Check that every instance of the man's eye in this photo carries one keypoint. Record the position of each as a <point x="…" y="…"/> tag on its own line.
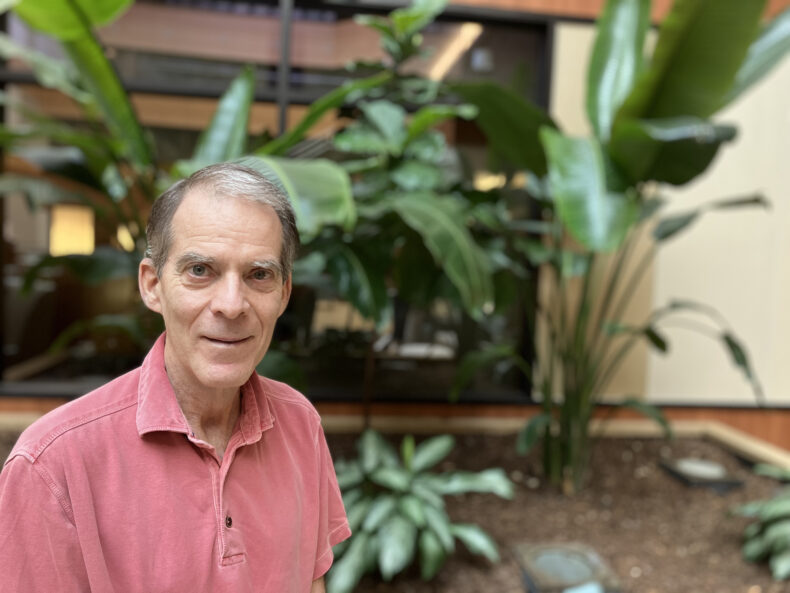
<point x="198" y="270"/>
<point x="261" y="274"/>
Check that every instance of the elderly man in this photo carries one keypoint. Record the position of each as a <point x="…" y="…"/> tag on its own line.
<point x="192" y="472"/>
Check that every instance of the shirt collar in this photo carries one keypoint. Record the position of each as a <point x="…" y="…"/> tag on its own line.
<point x="158" y="409"/>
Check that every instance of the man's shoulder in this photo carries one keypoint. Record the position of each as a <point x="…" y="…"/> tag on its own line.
<point x="111" y="398"/>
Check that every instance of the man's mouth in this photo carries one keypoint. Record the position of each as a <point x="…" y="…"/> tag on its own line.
<point x="226" y="341"/>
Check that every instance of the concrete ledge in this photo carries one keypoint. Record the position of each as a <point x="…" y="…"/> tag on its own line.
<point x="744" y="445"/>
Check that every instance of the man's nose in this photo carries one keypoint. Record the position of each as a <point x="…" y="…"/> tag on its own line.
<point x="229" y="298"/>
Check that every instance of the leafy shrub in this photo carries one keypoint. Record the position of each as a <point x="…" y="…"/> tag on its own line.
<point x="397" y="513"/>
<point x="769" y="536"/>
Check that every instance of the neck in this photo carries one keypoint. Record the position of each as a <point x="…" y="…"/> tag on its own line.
<point x="211" y="415"/>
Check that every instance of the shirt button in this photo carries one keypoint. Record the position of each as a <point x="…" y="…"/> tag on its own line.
<point x="228" y="522"/>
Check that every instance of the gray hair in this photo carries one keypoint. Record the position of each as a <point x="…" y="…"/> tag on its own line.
<point x="227" y="180"/>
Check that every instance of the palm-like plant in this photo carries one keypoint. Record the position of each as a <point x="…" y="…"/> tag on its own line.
<point x="601" y="197"/>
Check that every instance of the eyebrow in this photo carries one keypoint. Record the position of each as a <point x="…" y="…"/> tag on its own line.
<point x="191" y="257"/>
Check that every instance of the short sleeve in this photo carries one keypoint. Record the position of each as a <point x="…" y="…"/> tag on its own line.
<point x="39" y="546"/>
<point x="333" y="526"/>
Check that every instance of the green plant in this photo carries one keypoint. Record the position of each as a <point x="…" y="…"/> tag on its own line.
<point x="601" y="199"/>
<point x="396" y="509"/>
<point x="116" y="171"/>
<point x="768" y="537"/>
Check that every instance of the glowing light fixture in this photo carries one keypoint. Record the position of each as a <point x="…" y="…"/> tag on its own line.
<point x="71" y="230"/>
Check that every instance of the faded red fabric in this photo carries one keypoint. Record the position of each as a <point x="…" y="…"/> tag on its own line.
<point x="111" y="493"/>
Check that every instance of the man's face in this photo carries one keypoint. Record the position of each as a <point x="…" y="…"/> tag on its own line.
<point x="220" y="291"/>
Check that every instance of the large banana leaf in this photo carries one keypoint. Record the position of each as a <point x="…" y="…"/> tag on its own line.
<point x="361" y="280"/>
<point x="595" y="216"/>
<point x="319" y="189"/>
<point x="441" y="224"/>
<point x="332" y="100"/>
<point x="672" y="150"/>
<point x="700" y="48"/>
<point x="616" y="60"/>
<point x="102" y="82"/>
<point x="226" y="136"/>
<point x="771" y="46"/>
<point x="510" y="122"/>
<point x="67" y="19"/>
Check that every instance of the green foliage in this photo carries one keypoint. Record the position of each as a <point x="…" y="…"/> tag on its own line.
<point x="117" y="172"/>
<point x="395" y="506"/>
<point x="767" y="537"/>
<point x="651" y="122"/>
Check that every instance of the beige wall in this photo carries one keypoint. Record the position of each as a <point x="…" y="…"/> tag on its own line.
<point x="737" y="261"/>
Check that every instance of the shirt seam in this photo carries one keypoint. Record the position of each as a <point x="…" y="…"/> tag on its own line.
<point x="54" y="489"/>
<point x="79" y="422"/>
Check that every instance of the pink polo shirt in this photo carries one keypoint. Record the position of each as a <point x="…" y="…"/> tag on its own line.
<point x="112" y="493"/>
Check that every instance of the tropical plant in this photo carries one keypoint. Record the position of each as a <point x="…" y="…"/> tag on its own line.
<point x="602" y="199"/>
<point x="116" y="171"/>
<point x="768" y="537"/>
<point x="396" y="509"/>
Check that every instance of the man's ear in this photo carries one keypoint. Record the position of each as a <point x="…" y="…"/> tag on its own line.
<point x="286" y="294"/>
<point x="148" y="282"/>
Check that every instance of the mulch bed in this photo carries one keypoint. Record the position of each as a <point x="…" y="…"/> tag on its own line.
<point x="657" y="534"/>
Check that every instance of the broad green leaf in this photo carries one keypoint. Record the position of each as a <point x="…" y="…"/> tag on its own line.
<point x="432" y="554"/>
<point x="67" y="19"/>
<point x="780" y="566"/>
<point x="431" y="115"/>
<point x="492" y="481"/>
<point x="423" y="490"/>
<point x="778" y="532"/>
<point x="672" y="150"/>
<point x="226" y="135"/>
<point x="349" y="474"/>
<point x="389" y="119"/>
<point x="476" y="540"/>
<point x="99" y="78"/>
<point x="432" y="451"/>
<point x="411" y="507"/>
<point x="474" y="362"/>
<point x="700" y="48"/>
<point x="318" y="109"/>
<point x="439" y="523"/>
<point x="511" y="124"/>
<point x="105" y="263"/>
<point x="42" y="192"/>
<point x="379" y="511"/>
<point x="670" y="226"/>
<point x="442" y="226"/>
<point x="48" y="71"/>
<point x="357" y="513"/>
<point x="532" y="431"/>
<point x="362" y="138"/>
<point x="350" y="497"/>
<point x="361" y="282"/>
<point x="416" y="16"/>
<point x="772" y="471"/>
<point x="375" y="451"/>
<point x="428" y="147"/>
<point x="764" y="53"/>
<point x="756" y="549"/>
<point x="128" y="324"/>
<point x="417" y="176"/>
<point x="594" y="216"/>
<point x="407" y="452"/>
<point x="741" y="360"/>
<point x="346" y="572"/>
<point x="394" y="478"/>
<point x="379" y="24"/>
<point x="319" y="190"/>
<point x="616" y="60"/>
<point x="397" y="539"/>
<point x="653" y="412"/>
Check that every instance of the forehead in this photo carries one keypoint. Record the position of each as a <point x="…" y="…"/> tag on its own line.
<point x="204" y="217"/>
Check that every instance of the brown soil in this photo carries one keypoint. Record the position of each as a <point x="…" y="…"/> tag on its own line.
<point x="657" y="534"/>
